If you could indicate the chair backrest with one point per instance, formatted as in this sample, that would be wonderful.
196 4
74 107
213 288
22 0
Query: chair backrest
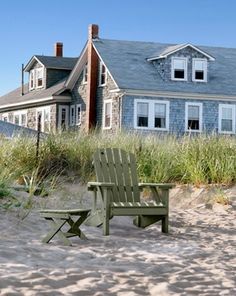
119 167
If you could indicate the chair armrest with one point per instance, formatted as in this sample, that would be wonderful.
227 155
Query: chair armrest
158 185
95 185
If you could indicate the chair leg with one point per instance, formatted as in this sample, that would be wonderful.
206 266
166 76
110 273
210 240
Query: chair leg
106 223
165 224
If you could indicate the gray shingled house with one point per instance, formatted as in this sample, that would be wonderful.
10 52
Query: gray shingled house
137 86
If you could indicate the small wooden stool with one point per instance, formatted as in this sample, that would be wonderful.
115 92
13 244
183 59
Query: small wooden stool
58 218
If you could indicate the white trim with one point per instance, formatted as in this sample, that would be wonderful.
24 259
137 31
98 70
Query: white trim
61 107
185 69
32 73
101 65
204 70
232 107
177 95
105 102
30 63
211 58
85 74
105 66
78 121
37 70
5 115
20 113
72 79
151 114
72 118
187 104
43 110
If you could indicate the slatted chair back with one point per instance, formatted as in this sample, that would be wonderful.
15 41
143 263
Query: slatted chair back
117 166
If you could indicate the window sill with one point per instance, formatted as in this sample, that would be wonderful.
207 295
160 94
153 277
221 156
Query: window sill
152 129
193 131
227 133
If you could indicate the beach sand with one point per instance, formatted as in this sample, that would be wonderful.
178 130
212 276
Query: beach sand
197 257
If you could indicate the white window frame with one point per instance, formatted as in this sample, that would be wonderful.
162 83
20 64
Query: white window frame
151 114
85 74
66 107
78 119
101 64
105 102
31 73
72 116
5 115
187 104
20 113
43 110
37 70
185 69
204 69
231 106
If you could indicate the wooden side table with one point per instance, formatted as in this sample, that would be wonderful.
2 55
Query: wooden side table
58 218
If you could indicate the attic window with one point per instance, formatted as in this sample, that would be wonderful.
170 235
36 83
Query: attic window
199 70
39 77
179 69
31 80
102 74
85 74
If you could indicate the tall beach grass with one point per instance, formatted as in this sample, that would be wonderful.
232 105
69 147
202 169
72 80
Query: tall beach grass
204 159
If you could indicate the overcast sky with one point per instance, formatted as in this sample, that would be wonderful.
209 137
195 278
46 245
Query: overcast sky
32 27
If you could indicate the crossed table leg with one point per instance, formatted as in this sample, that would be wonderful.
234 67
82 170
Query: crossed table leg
58 218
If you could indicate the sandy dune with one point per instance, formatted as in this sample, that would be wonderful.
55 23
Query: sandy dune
198 257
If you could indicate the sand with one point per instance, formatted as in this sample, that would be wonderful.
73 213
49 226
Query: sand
197 257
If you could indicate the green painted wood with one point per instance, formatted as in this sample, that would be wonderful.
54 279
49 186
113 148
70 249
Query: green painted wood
112 173
144 221
126 176
134 178
119 175
115 166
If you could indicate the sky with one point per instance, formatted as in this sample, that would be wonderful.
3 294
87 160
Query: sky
33 27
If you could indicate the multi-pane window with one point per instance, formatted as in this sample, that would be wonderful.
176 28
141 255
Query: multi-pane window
20 118
142 114
193 117
36 78
160 115
199 70
179 69
78 114
102 74
107 114
226 118
85 74
43 114
72 115
31 80
5 117
39 77
151 114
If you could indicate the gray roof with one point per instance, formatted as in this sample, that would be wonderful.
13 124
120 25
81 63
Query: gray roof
126 61
15 97
51 62
10 130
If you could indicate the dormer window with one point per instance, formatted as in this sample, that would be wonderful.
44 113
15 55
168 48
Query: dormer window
31 80
199 70
102 74
85 74
36 78
179 69
39 77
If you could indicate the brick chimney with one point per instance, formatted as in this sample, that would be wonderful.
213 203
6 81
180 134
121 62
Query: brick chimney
92 78
58 49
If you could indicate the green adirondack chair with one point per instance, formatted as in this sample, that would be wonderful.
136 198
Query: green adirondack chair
118 186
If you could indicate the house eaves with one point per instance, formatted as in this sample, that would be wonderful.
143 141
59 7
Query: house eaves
71 80
171 50
31 62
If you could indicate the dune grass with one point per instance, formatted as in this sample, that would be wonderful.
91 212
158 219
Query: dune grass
204 159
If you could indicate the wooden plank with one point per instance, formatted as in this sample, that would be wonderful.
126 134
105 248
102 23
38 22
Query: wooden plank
112 172
119 175
97 166
127 176
134 178
125 211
